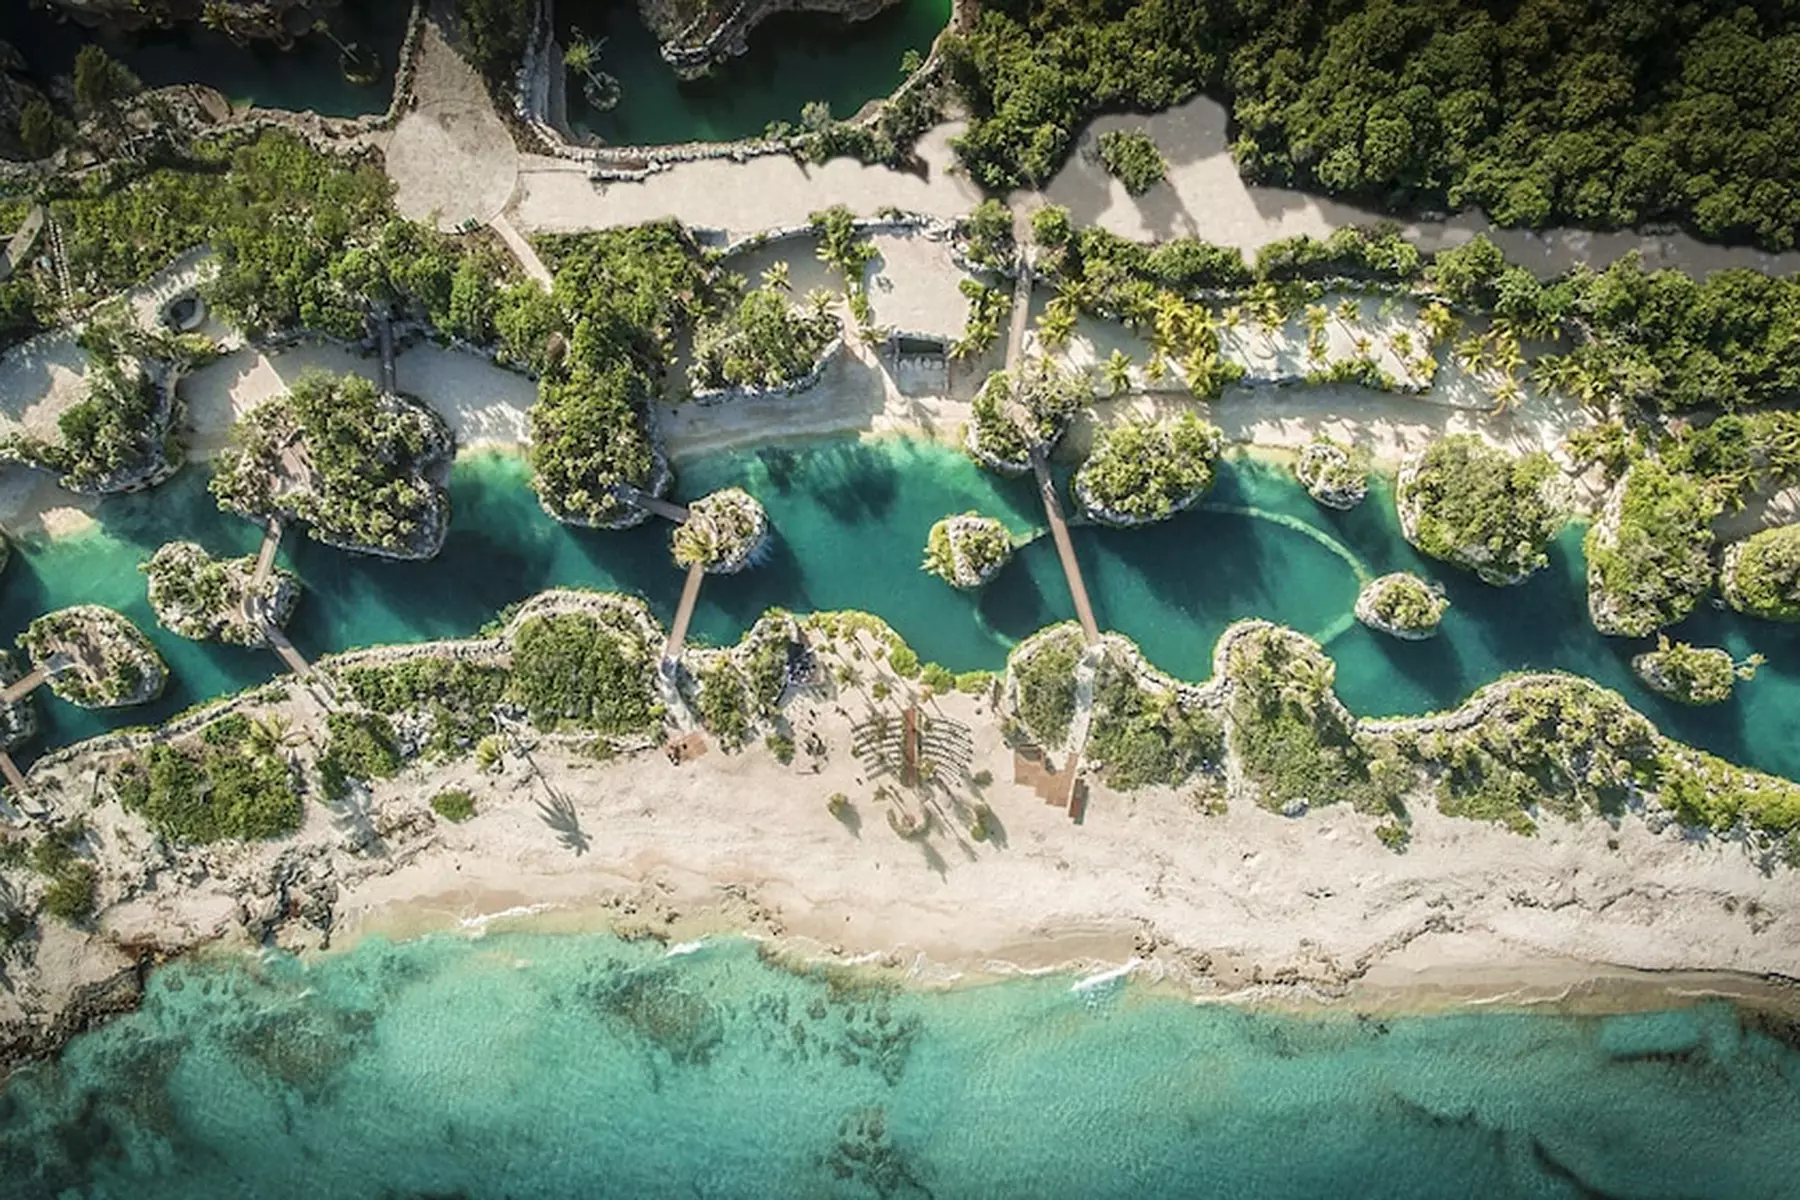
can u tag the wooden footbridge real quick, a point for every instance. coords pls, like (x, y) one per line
(690, 588)
(1040, 463)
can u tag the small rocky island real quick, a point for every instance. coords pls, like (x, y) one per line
(1480, 508)
(725, 532)
(1331, 474)
(1402, 605)
(95, 657)
(364, 471)
(218, 599)
(1145, 470)
(1761, 574)
(1692, 674)
(967, 551)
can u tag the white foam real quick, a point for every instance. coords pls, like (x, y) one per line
(1105, 977)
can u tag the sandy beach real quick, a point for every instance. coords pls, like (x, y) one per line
(1243, 905)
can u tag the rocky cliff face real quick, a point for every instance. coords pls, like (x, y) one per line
(695, 34)
(273, 20)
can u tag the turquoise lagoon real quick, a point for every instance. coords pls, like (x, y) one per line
(852, 518)
(527, 1065)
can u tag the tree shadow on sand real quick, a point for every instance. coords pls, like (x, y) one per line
(559, 814)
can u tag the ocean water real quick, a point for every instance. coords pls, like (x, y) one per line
(851, 519)
(532, 1065)
(793, 59)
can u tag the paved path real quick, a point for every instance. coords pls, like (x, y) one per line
(296, 662)
(684, 612)
(19, 248)
(521, 250)
(451, 157)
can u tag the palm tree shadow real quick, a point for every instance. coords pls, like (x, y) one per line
(559, 814)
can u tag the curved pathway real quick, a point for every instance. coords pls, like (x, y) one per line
(1204, 197)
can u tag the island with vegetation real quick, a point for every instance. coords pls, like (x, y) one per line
(364, 471)
(1649, 556)
(1332, 474)
(1480, 508)
(1692, 674)
(218, 599)
(1045, 397)
(764, 344)
(95, 657)
(1143, 470)
(967, 550)
(1402, 605)
(1760, 575)
(725, 532)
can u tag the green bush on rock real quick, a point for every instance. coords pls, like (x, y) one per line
(1691, 674)
(1041, 672)
(584, 670)
(232, 782)
(1649, 556)
(1480, 508)
(1332, 474)
(1403, 605)
(967, 551)
(725, 532)
(363, 470)
(1144, 470)
(1143, 738)
(204, 598)
(97, 658)
(1761, 574)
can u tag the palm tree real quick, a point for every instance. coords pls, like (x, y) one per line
(1439, 322)
(1056, 324)
(776, 276)
(1506, 394)
(1472, 353)
(1349, 312)
(1317, 317)
(1117, 373)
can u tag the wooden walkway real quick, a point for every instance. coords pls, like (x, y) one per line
(265, 554)
(666, 509)
(23, 686)
(684, 613)
(390, 376)
(1040, 465)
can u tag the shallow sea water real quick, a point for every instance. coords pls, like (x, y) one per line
(851, 519)
(529, 1065)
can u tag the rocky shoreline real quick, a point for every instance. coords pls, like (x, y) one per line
(693, 46)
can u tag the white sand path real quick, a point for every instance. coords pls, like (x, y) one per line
(1203, 197)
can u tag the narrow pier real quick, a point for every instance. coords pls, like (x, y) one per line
(15, 778)
(666, 509)
(23, 686)
(265, 554)
(390, 377)
(1040, 464)
(684, 613)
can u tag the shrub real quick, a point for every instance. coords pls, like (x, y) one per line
(1132, 158)
(1141, 738)
(235, 784)
(781, 745)
(71, 895)
(358, 746)
(453, 805)
(1043, 671)
(584, 671)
